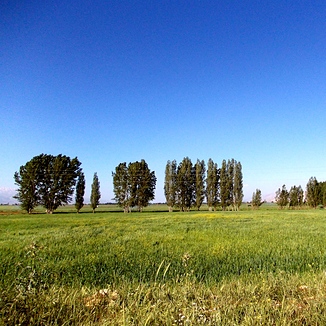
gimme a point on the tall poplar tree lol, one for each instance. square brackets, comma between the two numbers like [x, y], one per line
[212, 185]
[322, 187]
[282, 197]
[200, 171]
[185, 184]
[295, 197]
[170, 184]
[121, 186]
[256, 201]
[238, 186]
[313, 192]
[80, 192]
[230, 182]
[224, 183]
[95, 193]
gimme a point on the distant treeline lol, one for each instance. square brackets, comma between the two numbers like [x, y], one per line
[314, 196]
[51, 181]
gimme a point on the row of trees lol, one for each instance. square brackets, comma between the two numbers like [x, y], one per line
[314, 196]
[187, 185]
[50, 181]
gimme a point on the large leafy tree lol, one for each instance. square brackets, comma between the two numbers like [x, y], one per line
[80, 192]
[185, 184]
[121, 186]
[142, 184]
[95, 192]
[238, 185]
[200, 171]
[59, 179]
[27, 179]
[282, 197]
[212, 185]
[47, 180]
[133, 185]
[170, 184]
[313, 192]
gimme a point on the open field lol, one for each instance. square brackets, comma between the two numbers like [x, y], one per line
[158, 268]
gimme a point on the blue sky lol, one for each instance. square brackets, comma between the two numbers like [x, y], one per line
[120, 81]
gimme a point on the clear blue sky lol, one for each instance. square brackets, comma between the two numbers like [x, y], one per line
[120, 81]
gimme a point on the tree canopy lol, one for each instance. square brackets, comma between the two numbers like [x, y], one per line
[313, 192]
[95, 193]
[47, 180]
[80, 192]
[133, 185]
[170, 184]
[256, 201]
[189, 184]
[212, 185]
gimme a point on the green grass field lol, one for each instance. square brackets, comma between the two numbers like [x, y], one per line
[263, 267]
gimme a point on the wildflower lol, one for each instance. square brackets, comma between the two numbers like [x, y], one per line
[185, 258]
[103, 295]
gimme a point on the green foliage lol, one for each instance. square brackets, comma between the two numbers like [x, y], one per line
[47, 180]
[282, 197]
[134, 186]
[170, 184]
[322, 186]
[199, 183]
[142, 184]
[230, 181]
[224, 184]
[296, 197]
[186, 177]
[256, 201]
[121, 186]
[212, 185]
[313, 193]
[27, 180]
[191, 184]
[238, 185]
[95, 193]
[80, 192]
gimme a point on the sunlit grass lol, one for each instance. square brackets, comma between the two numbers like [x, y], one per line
[247, 267]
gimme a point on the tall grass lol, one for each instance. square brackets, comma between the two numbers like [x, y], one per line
[247, 267]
